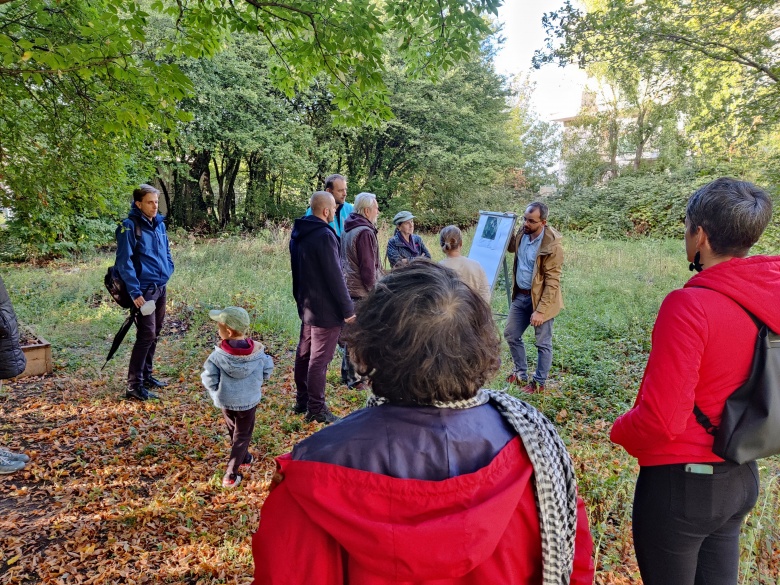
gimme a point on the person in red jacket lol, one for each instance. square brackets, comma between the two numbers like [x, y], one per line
[689, 503]
[435, 481]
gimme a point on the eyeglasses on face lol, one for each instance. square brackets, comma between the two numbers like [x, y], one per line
[530, 221]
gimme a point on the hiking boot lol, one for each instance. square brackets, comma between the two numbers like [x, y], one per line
[9, 465]
[248, 460]
[6, 454]
[517, 379]
[300, 408]
[140, 393]
[324, 416]
[136, 393]
[232, 480]
[152, 382]
[533, 387]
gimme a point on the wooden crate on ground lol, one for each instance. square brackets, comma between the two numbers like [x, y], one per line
[38, 356]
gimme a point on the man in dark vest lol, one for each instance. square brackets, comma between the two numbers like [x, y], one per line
[361, 265]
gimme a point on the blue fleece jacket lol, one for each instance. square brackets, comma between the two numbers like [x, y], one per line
[146, 263]
[235, 381]
[342, 213]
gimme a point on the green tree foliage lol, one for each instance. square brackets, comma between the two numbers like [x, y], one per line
[244, 147]
[75, 99]
[538, 141]
[84, 87]
[446, 140]
[250, 154]
[721, 55]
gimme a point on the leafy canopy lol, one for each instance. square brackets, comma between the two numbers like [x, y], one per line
[697, 42]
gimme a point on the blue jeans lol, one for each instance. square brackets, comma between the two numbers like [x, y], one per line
[518, 321]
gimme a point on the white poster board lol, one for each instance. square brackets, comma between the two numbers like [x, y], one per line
[490, 241]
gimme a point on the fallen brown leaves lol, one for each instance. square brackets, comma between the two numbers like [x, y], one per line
[128, 492]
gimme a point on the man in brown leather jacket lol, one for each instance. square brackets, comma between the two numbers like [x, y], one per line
[536, 295]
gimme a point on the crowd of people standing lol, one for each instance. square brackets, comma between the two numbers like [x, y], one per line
[438, 479]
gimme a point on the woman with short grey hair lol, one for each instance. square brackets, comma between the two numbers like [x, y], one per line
[689, 504]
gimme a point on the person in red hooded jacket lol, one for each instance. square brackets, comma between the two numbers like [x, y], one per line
[435, 481]
[689, 503]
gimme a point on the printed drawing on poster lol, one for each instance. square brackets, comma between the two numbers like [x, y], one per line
[490, 241]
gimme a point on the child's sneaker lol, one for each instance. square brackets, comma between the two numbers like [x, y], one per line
[232, 480]
[5, 453]
[248, 460]
[9, 465]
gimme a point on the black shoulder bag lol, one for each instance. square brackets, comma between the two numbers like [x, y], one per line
[113, 280]
[750, 424]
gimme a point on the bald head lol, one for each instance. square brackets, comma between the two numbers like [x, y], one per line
[322, 205]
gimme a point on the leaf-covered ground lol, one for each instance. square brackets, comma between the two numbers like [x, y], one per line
[128, 492]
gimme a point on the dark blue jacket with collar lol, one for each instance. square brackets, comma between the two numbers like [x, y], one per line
[146, 263]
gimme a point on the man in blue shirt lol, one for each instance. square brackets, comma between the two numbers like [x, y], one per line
[536, 295]
[336, 185]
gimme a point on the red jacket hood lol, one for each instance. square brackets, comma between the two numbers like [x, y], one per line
[413, 530]
[753, 282]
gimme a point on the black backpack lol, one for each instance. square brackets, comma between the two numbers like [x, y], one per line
[113, 281]
[750, 424]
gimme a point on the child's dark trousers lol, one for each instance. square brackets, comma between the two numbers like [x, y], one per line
[240, 424]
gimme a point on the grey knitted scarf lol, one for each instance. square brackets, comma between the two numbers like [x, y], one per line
[555, 487]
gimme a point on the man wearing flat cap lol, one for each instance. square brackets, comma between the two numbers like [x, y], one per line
[405, 246]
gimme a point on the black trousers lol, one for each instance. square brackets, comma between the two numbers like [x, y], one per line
[147, 331]
[686, 525]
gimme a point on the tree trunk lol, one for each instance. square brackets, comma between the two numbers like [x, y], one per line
[640, 138]
[188, 207]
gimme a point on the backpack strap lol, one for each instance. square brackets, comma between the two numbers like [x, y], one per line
[702, 418]
[137, 225]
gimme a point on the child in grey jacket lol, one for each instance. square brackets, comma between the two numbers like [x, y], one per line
[233, 375]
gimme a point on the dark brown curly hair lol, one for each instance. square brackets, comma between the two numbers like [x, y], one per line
[423, 336]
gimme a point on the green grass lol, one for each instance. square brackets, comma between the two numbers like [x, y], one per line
[612, 291]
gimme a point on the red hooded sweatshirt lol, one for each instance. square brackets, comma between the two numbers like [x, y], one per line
[325, 524]
[703, 345]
